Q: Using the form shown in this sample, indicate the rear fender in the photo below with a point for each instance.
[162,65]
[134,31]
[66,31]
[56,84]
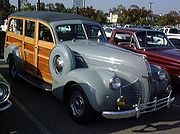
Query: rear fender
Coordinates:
[13,50]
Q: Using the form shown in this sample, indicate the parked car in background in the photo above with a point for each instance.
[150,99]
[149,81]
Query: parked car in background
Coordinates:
[169,31]
[108,31]
[154,44]
[129,26]
[69,55]
[5,103]
[175,40]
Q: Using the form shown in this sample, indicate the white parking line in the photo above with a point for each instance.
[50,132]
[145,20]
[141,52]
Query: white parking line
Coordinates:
[177,106]
[30,116]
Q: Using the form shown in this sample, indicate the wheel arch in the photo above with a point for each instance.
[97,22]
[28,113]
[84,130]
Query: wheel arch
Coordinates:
[12,51]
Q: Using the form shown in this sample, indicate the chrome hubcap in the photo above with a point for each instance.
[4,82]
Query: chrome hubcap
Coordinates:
[77,104]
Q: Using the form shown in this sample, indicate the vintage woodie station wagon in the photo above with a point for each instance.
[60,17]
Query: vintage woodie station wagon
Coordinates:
[69,55]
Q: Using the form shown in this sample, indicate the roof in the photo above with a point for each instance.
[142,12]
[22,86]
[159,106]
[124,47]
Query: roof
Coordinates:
[50,16]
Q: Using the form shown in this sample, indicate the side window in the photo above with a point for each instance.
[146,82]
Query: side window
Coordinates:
[29,28]
[16,26]
[45,33]
[122,38]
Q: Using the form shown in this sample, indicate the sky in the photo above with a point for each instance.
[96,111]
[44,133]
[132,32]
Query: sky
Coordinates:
[158,6]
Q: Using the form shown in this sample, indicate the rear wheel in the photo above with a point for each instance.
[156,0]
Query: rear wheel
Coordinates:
[78,105]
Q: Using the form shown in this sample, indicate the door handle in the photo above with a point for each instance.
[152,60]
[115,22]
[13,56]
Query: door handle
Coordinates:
[36,47]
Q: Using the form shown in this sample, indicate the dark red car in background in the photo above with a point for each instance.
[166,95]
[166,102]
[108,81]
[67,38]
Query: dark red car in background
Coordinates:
[154,44]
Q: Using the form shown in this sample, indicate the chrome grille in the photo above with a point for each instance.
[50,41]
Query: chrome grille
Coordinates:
[132,93]
[153,88]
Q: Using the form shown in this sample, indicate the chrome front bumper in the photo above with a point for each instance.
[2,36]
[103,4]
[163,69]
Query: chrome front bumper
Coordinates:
[140,108]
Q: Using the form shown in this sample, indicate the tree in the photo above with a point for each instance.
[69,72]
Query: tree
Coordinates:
[101,17]
[134,16]
[59,7]
[90,12]
[118,10]
[134,7]
[28,7]
[5,9]
[171,18]
[50,7]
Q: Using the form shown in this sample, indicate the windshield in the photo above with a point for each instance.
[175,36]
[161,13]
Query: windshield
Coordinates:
[78,32]
[153,39]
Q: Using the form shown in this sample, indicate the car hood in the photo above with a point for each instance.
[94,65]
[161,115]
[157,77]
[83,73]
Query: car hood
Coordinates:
[104,55]
[168,53]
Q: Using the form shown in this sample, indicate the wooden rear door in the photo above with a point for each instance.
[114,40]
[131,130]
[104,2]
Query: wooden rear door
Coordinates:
[29,46]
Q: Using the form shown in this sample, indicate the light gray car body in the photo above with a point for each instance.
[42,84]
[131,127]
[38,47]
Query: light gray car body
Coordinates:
[92,64]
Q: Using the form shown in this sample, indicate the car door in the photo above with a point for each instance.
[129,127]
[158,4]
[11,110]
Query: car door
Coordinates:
[29,46]
[45,43]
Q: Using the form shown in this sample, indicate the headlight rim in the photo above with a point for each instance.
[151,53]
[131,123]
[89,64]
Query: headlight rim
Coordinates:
[111,84]
[161,73]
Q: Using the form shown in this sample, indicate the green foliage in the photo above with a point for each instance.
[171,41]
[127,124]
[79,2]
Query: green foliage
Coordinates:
[5,9]
[133,15]
[94,14]
[171,18]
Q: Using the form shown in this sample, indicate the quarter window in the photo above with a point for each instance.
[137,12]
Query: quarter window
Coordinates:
[16,26]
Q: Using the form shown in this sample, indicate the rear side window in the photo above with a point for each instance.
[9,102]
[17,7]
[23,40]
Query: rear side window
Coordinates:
[29,28]
[16,26]
[45,33]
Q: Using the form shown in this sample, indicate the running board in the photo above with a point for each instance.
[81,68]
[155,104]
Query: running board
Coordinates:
[36,82]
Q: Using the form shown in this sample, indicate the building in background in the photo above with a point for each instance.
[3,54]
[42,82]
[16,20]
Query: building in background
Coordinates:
[112,18]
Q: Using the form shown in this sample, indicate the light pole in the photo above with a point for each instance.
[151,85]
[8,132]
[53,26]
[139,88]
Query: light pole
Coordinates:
[150,8]
[38,5]
[84,4]
[19,5]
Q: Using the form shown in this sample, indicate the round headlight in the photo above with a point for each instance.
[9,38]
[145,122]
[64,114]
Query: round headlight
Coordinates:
[115,83]
[162,75]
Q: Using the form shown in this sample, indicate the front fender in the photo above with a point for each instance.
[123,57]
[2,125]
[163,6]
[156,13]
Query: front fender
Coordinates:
[95,84]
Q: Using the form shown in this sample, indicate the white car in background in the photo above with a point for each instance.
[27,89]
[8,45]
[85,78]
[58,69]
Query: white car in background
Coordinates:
[108,31]
[170,31]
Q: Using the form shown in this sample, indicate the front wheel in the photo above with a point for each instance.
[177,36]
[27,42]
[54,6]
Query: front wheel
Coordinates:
[78,105]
